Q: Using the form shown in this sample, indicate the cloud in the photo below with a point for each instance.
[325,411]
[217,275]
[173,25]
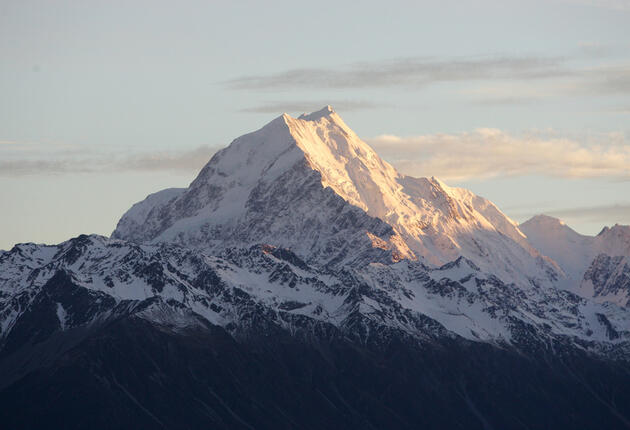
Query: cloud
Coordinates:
[294,106]
[506,100]
[593,213]
[504,80]
[486,153]
[604,81]
[414,72]
[600,214]
[595,49]
[509,93]
[480,154]
[89,161]
[192,159]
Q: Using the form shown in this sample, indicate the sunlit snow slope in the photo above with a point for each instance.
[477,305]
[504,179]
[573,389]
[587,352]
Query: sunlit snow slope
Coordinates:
[312,185]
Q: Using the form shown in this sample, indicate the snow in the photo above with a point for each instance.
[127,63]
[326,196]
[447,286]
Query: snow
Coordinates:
[456,295]
[236,170]
[325,111]
[555,239]
[136,216]
[61,316]
[431,221]
[456,258]
[172,317]
[575,252]
[139,211]
[276,293]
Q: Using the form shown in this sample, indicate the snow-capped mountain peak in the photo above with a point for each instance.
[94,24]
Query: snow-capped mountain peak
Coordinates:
[266,186]
[313,116]
[547,221]
[596,266]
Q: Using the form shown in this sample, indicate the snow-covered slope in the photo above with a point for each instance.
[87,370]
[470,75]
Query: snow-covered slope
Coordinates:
[311,185]
[551,236]
[608,279]
[138,214]
[88,279]
[594,265]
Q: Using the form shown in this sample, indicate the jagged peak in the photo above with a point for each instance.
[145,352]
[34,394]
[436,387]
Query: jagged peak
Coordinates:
[618,229]
[459,262]
[320,135]
[314,116]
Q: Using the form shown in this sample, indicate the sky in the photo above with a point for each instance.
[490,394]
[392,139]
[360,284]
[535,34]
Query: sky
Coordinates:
[104,102]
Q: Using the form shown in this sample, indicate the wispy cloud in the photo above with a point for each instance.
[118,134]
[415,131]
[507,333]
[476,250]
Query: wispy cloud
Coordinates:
[595,49]
[593,213]
[601,214]
[621,110]
[500,80]
[479,154]
[605,80]
[506,100]
[486,152]
[50,162]
[277,107]
[192,159]
[415,72]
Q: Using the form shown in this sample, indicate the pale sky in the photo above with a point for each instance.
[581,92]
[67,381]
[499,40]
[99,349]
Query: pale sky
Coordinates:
[103,102]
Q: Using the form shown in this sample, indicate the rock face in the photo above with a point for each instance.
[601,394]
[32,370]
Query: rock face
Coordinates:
[596,266]
[608,278]
[301,282]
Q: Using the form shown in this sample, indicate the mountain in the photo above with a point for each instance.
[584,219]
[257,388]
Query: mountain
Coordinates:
[301,282]
[596,266]
[113,333]
[454,299]
[311,185]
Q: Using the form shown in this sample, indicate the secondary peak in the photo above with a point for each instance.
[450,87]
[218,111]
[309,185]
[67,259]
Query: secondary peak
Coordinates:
[543,219]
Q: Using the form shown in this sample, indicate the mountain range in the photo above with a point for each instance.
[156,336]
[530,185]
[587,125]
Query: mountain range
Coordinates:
[596,267]
[300,281]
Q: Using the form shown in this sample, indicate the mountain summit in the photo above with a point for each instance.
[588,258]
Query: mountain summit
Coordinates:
[312,185]
[596,266]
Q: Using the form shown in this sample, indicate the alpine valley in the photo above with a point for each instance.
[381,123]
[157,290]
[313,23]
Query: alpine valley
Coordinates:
[301,282]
